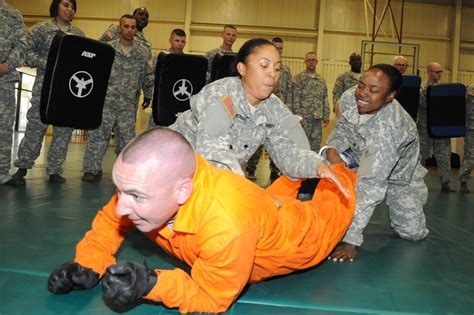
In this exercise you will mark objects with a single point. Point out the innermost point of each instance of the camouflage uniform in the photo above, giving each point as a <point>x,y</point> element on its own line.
<point>468,163</point>
<point>39,42</point>
<point>210,58</point>
<point>120,106</point>
<point>388,150</point>
<point>441,146</point>
<point>283,90</point>
<point>222,128</point>
<point>310,101</point>
<point>344,82</point>
<point>13,46</point>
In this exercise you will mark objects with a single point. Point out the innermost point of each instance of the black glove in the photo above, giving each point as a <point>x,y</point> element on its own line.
<point>71,276</point>
<point>126,282</point>
<point>146,102</point>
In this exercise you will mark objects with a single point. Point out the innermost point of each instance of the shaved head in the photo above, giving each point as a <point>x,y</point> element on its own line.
<point>435,71</point>
<point>166,151</point>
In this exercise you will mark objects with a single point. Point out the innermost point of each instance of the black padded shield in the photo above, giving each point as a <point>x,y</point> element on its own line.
<point>223,65</point>
<point>409,94</point>
<point>177,77</point>
<point>446,110</point>
<point>75,82</point>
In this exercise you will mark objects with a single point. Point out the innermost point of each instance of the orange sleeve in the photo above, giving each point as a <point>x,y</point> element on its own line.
<point>98,247</point>
<point>217,277</point>
<point>284,186</point>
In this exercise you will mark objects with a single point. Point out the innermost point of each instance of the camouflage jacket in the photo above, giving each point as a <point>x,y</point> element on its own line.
<point>386,143</point>
<point>13,41</point>
<point>129,71</point>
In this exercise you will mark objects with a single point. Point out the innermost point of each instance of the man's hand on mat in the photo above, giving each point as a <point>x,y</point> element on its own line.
<point>324,171</point>
<point>71,276</point>
<point>126,282</point>
<point>344,251</point>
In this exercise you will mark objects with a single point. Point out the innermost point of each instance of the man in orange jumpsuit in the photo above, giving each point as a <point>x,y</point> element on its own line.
<point>228,229</point>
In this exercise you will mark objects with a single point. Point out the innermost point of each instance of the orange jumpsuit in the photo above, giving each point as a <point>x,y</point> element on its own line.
<point>231,232</point>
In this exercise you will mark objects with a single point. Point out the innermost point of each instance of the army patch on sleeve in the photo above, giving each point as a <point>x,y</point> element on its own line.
<point>229,106</point>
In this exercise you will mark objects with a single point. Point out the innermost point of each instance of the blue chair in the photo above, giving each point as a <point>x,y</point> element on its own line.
<point>446,110</point>
<point>409,94</point>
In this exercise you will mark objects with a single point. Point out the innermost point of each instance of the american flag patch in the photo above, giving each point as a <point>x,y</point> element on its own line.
<point>229,106</point>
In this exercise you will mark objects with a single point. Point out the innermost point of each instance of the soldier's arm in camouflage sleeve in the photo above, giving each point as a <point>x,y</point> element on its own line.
<point>17,54</point>
<point>289,149</point>
<point>110,34</point>
<point>213,140</point>
<point>326,109</point>
<point>149,80</point>
<point>339,136</point>
<point>35,56</point>
<point>337,90</point>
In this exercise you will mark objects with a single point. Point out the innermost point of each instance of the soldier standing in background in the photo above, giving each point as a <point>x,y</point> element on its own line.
<point>346,80</point>
<point>129,70</point>
<point>229,35</point>
<point>310,101</point>
<point>13,46</point>
<point>468,163</point>
<point>441,146</point>
<point>112,33</point>
<point>39,42</point>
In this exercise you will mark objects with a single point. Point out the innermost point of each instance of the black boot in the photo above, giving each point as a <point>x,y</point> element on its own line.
<point>446,188</point>
<point>15,181</point>
<point>91,177</point>
<point>20,173</point>
<point>464,188</point>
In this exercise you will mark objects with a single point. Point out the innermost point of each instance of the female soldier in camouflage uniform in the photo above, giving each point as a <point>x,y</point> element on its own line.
<point>384,139</point>
<point>230,118</point>
<point>40,39</point>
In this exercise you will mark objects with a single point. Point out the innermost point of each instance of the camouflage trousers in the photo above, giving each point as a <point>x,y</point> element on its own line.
<point>30,146</point>
<point>441,148</point>
<point>7,117</point>
<point>405,203</point>
<point>313,128</point>
<point>122,121</point>
<point>468,162</point>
